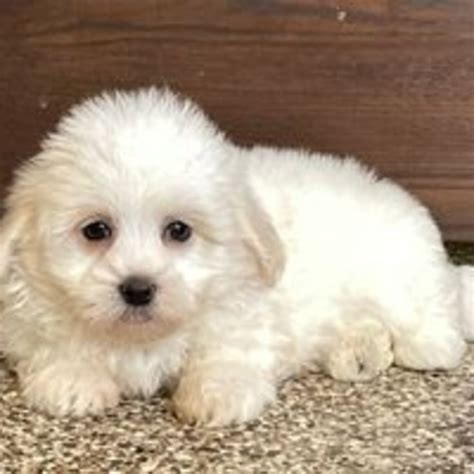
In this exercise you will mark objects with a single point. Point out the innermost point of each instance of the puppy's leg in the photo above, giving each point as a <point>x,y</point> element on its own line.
<point>62,387</point>
<point>360,352</point>
<point>427,332</point>
<point>220,390</point>
<point>436,345</point>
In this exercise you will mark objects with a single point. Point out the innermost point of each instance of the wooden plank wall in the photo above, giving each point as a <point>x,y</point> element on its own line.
<point>391,81</point>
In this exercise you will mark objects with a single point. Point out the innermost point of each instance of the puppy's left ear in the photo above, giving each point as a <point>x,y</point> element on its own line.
<point>261,239</point>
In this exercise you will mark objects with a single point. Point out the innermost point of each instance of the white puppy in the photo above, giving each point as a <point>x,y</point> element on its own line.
<point>140,248</point>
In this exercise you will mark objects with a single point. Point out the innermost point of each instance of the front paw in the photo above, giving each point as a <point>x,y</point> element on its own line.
<point>218,396</point>
<point>64,391</point>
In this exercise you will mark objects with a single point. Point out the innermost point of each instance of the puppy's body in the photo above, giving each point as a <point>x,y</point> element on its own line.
<point>294,258</point>
<point>356,244</point>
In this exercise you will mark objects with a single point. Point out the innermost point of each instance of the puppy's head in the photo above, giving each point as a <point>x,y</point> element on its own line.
<point>133,213</point>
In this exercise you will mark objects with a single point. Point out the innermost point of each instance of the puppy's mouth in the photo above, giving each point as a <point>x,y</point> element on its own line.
<point>136,317</point>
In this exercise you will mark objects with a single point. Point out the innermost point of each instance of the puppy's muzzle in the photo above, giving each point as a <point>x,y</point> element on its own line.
<point>137,291</point>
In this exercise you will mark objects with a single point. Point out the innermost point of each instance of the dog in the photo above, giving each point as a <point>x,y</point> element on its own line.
<point>141,248</point>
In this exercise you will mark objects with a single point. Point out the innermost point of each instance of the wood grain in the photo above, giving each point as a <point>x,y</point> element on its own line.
<point>391,81</point>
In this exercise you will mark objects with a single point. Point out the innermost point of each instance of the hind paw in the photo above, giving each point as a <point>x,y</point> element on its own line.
<point>361,353</point>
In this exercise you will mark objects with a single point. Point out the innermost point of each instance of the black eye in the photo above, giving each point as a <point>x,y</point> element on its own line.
<point>178,231</point>
<point>97,230</point>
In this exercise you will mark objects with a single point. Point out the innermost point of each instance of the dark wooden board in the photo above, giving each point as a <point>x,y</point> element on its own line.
<point>390,81</point>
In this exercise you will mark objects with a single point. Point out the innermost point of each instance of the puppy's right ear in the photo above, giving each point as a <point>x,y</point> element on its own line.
<point>10,228</point>
<point>18,212</point>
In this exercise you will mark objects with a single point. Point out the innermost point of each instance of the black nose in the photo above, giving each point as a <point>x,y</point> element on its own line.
<point>137,291</point>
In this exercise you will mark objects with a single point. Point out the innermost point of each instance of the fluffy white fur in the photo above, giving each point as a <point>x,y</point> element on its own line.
<point>295,258</point>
